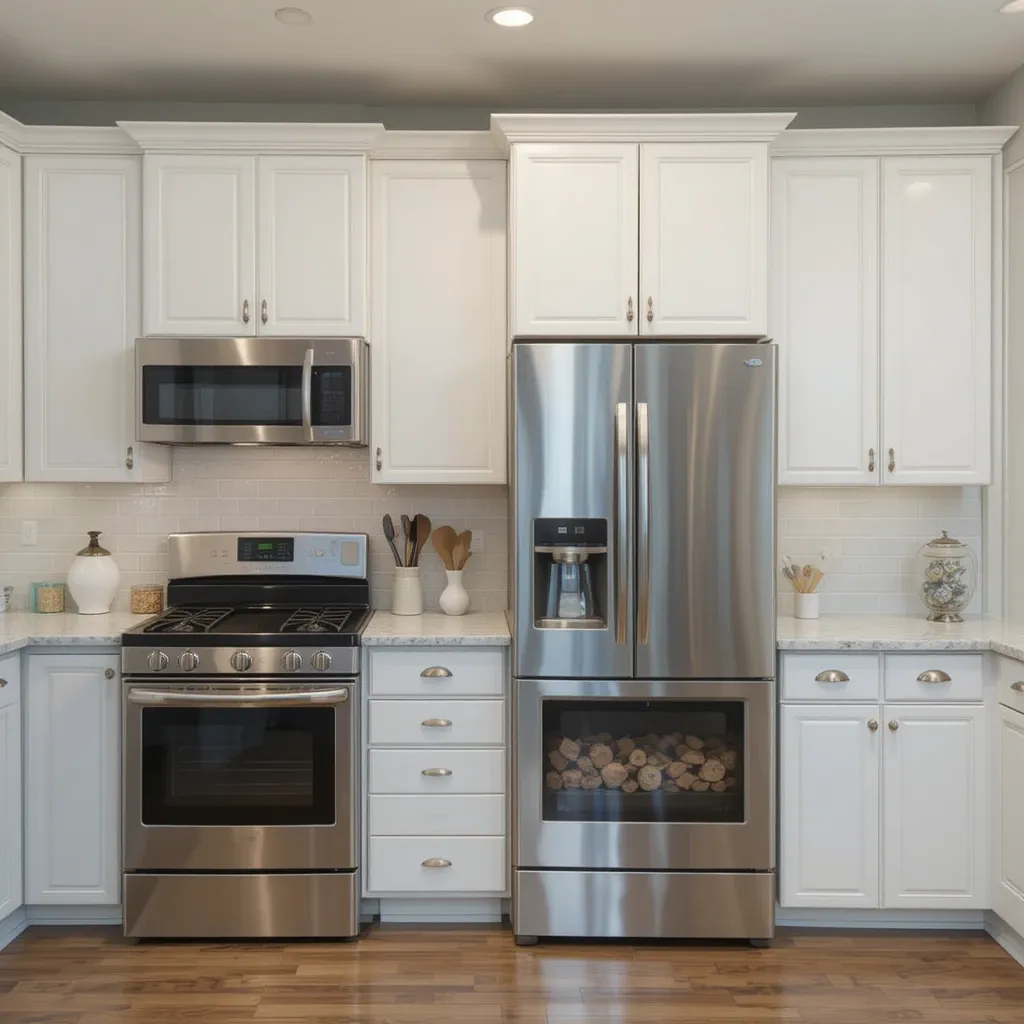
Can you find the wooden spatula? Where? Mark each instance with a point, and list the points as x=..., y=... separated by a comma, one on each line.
x=444, y=542
x=422, y=526
x=461, y=551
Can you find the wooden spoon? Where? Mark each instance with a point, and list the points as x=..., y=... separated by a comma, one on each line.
x=410, y=541
x=389, y=532
x=461, y=551
x=422, y=525
x=444, y=541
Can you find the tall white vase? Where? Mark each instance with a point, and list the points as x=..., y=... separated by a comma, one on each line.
x=454, y=599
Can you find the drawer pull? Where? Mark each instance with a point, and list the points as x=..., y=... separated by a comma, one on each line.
x=437, y=862
x=436, y=773
x=3, y=683
x=1018, y=687
x=832, y=675
x=436, y=672
x=935, y=675
x=436, y=723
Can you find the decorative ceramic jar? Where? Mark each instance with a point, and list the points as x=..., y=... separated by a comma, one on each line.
x=407, y=592
x=94, y=578
x=454, y=598
x=948, y=573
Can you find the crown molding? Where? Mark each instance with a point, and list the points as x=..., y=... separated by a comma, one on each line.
x=56, y=139
x=513, y=128
x=252, y=137
x=10, y=132
x=458, y=145
x=974, y=139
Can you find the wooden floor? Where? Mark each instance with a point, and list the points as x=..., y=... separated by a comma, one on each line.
x=398, y=975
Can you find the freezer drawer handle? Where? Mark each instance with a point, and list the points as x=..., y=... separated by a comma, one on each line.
x=934, y=675
x=832, y=675
x=436, y=723
x=1018, y=687
x=436, y=773
x=621, y=521
x=436, y=672
x=437, y=862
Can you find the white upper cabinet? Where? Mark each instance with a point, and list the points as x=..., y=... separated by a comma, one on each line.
x=935, y=797
x=825, y=276
x=10, y=317
x=575, y=248
x=312, y=246
x=439, y=321
x=82, y=316
x=200, y=244
x=704, y=239
x=245, y=245
x=937, y=320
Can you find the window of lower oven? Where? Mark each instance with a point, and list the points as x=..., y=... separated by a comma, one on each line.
x=238, y=766
x=643, y=761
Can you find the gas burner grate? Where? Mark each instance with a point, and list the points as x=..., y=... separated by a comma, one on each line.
x=329, y=619
x=189, y=620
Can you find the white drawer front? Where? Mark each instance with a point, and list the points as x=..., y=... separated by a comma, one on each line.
x=437, y=815
x=472, y=771
x=808, y=676
x=437, y=672
x=474, y=723
x=1011, y=673
x=474, y=864
x=923, y=677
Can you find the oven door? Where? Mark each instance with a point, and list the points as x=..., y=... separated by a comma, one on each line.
x=260, y=776
x=692, y=787
x=251, y=390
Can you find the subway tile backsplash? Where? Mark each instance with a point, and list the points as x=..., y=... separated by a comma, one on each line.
x=871, y=534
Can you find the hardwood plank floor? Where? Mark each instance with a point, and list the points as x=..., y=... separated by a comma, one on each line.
x=405, y=975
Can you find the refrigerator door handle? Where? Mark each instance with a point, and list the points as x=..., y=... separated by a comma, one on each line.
x=621, y=522
x=643, y=443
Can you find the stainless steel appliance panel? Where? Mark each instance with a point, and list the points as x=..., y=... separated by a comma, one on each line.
x=240, y=847
x=642, y=905
x=706, y=582
x=573, y=457
x=234, y=906
x=747, y=844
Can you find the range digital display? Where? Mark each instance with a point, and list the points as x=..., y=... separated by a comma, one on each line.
x=266, y=549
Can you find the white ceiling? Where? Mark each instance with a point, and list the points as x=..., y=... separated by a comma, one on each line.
x=615, y=54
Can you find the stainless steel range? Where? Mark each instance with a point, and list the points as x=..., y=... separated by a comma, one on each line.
x=644, y=581
x=241, y=740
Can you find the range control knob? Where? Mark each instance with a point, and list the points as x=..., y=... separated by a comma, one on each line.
x=188, y=661
x=157, y=661
x=241, y=661
x=321, y=661
x=291, y=661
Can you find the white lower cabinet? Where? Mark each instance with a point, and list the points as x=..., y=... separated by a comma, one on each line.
x=72, y=779
x=10, y=785
x=1008, y=895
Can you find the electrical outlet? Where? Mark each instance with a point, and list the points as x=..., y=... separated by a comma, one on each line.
x=478, y=542
x=29, y=532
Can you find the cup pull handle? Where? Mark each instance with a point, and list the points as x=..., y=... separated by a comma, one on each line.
x=436, y=672
x=436, y=723
x=1018, y=687
x=437, y=862
x=832, y=675
x=436, y=773
x=934, y=675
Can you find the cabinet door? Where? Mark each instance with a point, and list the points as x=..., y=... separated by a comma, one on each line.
x=828, y=806
x=73, y=772
x=1008, y=898
x=312, y=246
x=82, y=299
x=10, y=785
x=10, y=317
x=704, y=239
x=575, y=245
x=937, y=320
x=935, y=794
x=439, y=332
x=824, y=318
x=200, y=245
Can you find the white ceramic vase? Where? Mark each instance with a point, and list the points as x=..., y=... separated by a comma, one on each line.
x=407, y=592
x=94, y=578
x=454, y=598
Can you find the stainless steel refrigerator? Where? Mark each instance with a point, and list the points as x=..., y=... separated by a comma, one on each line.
x=643, y=500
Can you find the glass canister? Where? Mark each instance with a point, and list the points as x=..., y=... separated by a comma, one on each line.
x=948, y=573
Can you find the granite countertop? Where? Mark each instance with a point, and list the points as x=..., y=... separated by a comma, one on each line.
x=432, y=629
x=30, y=629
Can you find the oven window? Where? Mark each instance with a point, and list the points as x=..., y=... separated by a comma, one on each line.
x=238, y=766
x=643, y=761
x=231, y=395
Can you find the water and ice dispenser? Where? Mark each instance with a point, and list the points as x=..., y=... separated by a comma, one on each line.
x=570, y=573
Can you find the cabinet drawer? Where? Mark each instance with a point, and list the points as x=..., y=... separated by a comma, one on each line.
x=474, y=864
x=801, y=672
x=437, y=722
x=437, y=815
x=1011, y=673
x=437, y=672
x=933, y=677
x=472, y=771
x=10, y=673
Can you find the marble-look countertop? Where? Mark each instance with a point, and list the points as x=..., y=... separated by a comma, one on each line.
x=899, y=633
x=30, y=629
x=432, y=629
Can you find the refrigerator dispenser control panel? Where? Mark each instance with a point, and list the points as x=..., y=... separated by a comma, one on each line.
x=570, y=533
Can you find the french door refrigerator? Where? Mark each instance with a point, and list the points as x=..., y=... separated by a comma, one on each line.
x=643, y=577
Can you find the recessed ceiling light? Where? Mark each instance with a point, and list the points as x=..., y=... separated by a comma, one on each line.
x=511, y=17
x=1013, y=7
x=293, y=16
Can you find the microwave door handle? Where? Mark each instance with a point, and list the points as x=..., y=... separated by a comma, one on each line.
x=307, y=394
x=643, y=443
x=279, y=700
x=621, y=522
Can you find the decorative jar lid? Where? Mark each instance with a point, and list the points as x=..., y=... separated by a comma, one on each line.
x=93, y=549
x=947, y=547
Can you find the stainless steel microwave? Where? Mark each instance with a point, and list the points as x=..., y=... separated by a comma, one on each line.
x=252, y=390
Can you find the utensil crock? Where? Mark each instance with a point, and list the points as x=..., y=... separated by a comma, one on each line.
x=407, y=592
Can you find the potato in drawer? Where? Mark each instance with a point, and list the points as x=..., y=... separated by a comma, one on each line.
x=822, y=675
x=475, y=723
x=437, y=672
x=437, y=770
x=437, y=864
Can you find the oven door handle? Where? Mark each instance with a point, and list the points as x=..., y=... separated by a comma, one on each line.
x=278, y=700
x=307, y=394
